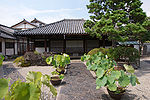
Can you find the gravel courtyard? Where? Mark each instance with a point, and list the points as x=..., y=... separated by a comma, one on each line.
x=139, y=92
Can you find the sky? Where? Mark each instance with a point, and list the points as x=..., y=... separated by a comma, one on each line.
x=48, y=11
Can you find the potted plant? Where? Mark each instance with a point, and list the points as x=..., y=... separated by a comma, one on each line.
x=59, y=62
x=107, y=76
x=56, y=79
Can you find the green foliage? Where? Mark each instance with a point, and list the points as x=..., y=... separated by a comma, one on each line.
x=3, y=87
x=26, y=91
x=30, y=90
x=58, y=60
x=107, y=75
x=120, y=20
x=96, y=50
x=128, y=53
x=34, y=77
x=1, y=59
x=27, y=64
x=129, y=69
x=20, y=61
x=61, y=76
x=36, y=53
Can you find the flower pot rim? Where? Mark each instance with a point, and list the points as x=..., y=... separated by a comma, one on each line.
x=122, y=92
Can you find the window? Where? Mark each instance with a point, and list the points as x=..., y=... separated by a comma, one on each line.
x=39, y=43
x=9, y=44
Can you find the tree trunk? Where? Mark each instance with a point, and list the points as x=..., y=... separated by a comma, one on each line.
x=103, y=38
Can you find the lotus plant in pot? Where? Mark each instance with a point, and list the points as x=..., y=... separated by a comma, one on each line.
x=115, y=81
x=56, y=79
x=60, y=62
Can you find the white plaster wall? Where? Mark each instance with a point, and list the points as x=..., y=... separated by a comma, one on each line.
x=24, y=26
x=74, y=43
x=41, y=49
x=29, y=26
x=10, y=51
x=37, y=24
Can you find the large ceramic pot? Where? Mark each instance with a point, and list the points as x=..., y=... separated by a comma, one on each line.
x=116, y=96
x=119, y=68
x=55, y=80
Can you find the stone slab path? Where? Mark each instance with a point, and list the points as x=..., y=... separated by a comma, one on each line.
x=79, y=84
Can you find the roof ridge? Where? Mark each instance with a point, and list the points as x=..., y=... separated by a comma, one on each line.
x=37, y=20
x=24, y=20
x=75, y=19
x=40, y=26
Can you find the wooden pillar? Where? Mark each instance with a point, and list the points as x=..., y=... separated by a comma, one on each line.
x=28, y=45
x=18, y=46
x=64, y=45
x=45, y=45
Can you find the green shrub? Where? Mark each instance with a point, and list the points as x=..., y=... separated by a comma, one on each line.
x=127, y=53
x=20, y=61
x=36, y=53
x=1, y=59
x=96, y=50
x=27, y=64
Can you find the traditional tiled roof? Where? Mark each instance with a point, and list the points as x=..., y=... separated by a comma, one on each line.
x=7, y=32
x=66, y=26
x=23, y=22
x=35, y=21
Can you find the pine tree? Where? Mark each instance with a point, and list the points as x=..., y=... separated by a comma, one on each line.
x=120, y=20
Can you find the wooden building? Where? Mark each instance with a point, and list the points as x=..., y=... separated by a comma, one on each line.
x=23, y=25
x=67, y=36
x=8, y=42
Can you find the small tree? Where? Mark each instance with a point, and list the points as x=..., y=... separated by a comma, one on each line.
x=118, y=19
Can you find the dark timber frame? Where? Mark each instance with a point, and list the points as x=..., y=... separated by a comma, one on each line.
x=49, y=38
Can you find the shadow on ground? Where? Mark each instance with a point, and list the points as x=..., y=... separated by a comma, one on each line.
x=11, y=72
x=80, y=85
x=144, y=68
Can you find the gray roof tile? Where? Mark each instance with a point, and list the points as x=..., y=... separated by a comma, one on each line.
x=66, y=26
